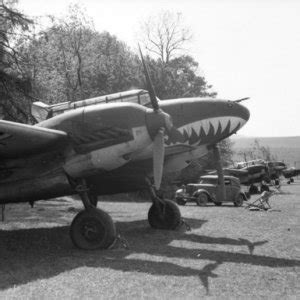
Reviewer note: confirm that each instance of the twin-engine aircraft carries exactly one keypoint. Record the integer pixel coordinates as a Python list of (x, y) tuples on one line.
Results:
[(290, 173), (255, 171), (111, 144)]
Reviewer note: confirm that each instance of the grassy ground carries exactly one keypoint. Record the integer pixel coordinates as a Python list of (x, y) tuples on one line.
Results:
[(230, 252)]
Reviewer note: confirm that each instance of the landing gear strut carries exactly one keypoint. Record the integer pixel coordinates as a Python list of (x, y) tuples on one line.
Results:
[(92, 228), (163, 214)]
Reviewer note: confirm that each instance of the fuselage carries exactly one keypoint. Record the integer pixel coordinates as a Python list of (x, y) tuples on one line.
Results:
[(111, 146)]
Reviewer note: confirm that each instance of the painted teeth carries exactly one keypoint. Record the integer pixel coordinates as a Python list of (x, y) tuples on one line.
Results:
[(199, 130)]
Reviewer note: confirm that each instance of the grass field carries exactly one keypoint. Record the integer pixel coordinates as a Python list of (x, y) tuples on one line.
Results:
[(229, 253)]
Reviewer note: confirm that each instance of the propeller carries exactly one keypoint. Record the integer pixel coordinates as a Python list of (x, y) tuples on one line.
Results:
[(158, 157), (158, 123), (150, 87)]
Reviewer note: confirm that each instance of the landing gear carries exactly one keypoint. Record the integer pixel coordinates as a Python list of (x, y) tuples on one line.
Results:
[(92, 228), (93, 199), (163, 214)]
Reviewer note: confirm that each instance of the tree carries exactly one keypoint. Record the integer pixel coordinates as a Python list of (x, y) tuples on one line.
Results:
[(257, 151), (165, 35), (178, 78), (70, 61), (14, 86)]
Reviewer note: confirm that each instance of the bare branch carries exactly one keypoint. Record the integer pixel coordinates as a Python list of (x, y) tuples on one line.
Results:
[(165, 35)]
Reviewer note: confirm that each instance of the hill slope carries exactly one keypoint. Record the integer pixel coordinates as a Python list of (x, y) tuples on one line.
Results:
[(285, 149)]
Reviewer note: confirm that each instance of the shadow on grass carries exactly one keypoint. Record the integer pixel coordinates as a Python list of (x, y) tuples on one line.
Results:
[(40, 253)]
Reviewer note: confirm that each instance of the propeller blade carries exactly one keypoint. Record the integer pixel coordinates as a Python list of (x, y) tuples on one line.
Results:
[(220, 171), (158, 157), (151, 90)]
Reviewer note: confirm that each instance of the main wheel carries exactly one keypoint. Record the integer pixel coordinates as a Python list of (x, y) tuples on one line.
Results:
[(202, 199), (167, 217), (292, 180), (92, 229), (238, 201), (218, 203)]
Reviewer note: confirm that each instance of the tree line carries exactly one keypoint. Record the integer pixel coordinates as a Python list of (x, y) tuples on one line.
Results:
[(71, 61)]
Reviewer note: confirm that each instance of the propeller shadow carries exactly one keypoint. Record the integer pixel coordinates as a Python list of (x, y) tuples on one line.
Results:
[(40, 253)]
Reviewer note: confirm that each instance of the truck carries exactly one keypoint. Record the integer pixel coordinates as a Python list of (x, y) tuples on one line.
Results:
[(208, 189)]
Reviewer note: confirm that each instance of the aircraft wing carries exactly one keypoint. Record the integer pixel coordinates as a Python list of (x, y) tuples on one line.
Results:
[(17, 140)]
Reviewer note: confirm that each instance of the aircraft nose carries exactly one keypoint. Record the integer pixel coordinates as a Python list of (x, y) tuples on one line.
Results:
[(241, 110), (206, 121)]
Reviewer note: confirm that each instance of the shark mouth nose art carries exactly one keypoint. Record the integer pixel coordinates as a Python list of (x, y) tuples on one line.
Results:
[(203, 131)]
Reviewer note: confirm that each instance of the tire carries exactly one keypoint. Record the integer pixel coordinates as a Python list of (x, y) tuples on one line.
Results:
[(169, 219), (92, 229), (180, 201), (238, 201), (218, 203), (202, 199), (292, 180)]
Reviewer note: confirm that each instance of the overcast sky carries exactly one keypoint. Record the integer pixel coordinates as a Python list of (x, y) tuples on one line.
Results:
[(244, 49)]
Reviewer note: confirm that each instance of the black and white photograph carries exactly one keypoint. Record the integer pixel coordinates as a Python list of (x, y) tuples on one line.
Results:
[(149, 149)]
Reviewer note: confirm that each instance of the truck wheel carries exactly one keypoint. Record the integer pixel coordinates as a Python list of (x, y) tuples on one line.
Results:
[(238, 201), (92, 229), (180, 201), (167, 217), (202, 199)]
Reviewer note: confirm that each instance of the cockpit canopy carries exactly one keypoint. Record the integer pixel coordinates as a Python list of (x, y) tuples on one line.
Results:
[(42, 111)]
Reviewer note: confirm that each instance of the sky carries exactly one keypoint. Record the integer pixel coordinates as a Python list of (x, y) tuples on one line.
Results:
[(244, 48)]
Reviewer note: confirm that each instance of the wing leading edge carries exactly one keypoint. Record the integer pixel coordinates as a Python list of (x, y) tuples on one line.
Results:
[(18, 140)]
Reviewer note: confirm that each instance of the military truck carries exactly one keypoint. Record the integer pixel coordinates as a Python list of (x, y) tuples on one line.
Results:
[(209, 190)]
